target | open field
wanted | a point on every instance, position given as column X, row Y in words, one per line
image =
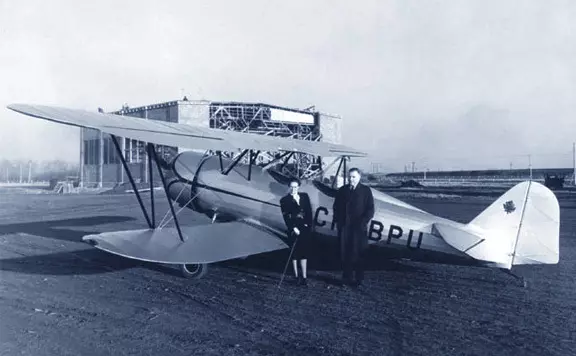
column 59, row 296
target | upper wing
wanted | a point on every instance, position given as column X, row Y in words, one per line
column 180, row 135
column 203, row 243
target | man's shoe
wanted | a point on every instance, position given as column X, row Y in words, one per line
column 303, row 282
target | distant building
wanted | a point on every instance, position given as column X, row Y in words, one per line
column 101, row 167
column 489, row 176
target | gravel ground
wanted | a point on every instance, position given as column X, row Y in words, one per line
column 59, row 296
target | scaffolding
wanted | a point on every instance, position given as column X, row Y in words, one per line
column 258, row 118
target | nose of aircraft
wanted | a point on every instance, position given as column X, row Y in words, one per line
column 181, row 188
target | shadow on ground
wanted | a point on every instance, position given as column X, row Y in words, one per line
column 88, row 261
column 53, row 228
column 323, row 258
column 81, row 262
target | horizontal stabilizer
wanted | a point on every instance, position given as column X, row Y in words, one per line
column 203, row 243
column 460, row 238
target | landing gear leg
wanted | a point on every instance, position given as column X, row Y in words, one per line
column 194, row 271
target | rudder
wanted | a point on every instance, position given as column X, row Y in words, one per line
column 526, row 221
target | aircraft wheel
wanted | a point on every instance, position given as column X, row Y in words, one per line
column 194, row 271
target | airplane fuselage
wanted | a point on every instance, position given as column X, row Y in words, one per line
column 396, row 225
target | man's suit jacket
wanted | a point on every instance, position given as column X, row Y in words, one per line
column 354, row 208
column 290, row 210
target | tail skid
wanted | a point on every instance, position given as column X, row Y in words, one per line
column 520, row 227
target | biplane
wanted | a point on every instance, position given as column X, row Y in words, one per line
column 520, row 227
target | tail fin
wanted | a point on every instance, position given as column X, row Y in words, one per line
column 520, row 227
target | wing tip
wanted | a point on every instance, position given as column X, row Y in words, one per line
column 20, row 108
column 13, row 107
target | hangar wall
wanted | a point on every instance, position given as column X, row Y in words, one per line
column 330, row 127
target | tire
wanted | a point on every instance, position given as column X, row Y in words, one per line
column 194, row 271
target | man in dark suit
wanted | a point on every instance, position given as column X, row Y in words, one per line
column 353, row 210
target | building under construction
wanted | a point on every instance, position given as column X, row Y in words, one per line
column 101, row 167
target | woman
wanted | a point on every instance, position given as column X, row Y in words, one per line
column 297, row 213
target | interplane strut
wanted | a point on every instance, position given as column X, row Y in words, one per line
column 152, row 156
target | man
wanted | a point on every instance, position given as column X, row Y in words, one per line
column 353, row 210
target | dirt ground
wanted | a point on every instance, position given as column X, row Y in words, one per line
column 60, row 296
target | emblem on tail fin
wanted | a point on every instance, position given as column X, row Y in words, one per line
column 509, row 207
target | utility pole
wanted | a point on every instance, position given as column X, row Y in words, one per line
column 30, row 171
column 413, row 166
column 574, row 160
column 530, row 165
column 101, row 160
column 82, row 154
column 146, row 168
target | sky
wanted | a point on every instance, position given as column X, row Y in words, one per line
column 444, row 84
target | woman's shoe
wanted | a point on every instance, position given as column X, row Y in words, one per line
column 303, row 282
column 296, row 279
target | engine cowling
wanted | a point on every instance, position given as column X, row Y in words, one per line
column 185, row 166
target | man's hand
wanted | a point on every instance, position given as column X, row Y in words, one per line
column 296, row 231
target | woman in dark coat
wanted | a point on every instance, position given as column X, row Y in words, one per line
column 297, row 213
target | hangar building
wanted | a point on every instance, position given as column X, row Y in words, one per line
column 101, row 167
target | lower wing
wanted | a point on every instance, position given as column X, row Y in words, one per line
column 203, row 243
